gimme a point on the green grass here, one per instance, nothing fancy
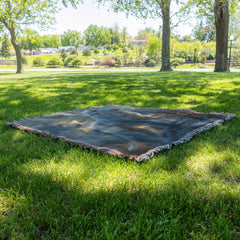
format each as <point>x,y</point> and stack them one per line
<point>52,190</point>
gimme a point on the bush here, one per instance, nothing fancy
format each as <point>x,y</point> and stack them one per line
<point>68,60</point>
<point>97,62</point>
<point>24,60</point>
<point>109,48</point>
<point>109,61</point>
<point>76,62</point>
<point>38,62</point>
<point>138,62</point>
<point>125,50</point>
<point>119,60</point>
<point>86,52</point>
<point>150,62</point>
<point>115,46</point>
<point>74,51</point>
<point>63,54</point>
<point>96,50</point>
<point>105,52</point>
<point>54,62</point>
<point>73,61</point>
<point>175,64</point>
<point>178,60</point>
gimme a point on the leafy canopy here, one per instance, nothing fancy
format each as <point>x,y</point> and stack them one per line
<point>21,13</point>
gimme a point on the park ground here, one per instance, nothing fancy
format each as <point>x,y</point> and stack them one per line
<point>52,190</point>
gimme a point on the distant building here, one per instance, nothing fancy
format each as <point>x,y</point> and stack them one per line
<point>48,50</point>
<point>67,48</point>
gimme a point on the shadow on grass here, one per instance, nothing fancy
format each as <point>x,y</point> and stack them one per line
<point>110,198</point>
<point>43,206</point>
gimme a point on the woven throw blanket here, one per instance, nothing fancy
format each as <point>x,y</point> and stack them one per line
<point>123,130</point>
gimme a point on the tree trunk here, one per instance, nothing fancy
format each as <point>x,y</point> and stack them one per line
<point>221,12</point>
<point>165,8</point>
<point>17,48</point>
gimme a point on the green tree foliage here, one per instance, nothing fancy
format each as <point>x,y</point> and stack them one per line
<point>5,49</point>
<point>144,9</point>
<point>154,48</point>
<point>205,33</point>
<point>124,36</point>
<point>72,38</point>
<point>97,36</point>
<point>74,51</point>
<point>17,15</point>
<point>31,40</point>
<point>63,54</point>
<point>145,34</point>
<point>51,41</point>
<point>96,50</point>
<point>115,35</point>
<point>193,50</point>
<point>86,52</point>
<point>234,25</point>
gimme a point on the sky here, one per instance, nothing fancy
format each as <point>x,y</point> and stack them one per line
<point>88,13</point>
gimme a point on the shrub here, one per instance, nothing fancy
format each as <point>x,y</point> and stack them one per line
<point>74,51</point>
<point>76,62</point>
<point>118,52</point>
<point>178,60</point>
<point>109,48</point>
<point>86,52</point>
<point>119,60</point>
<point>54,62</point>
<point>138,62</point>
<point>24,60</point>
<point>38,62</point>
<point>125,50</point>
<point>97,62</point>
<point>68,60</point>
<point>105,52</point>
<point>109,61</point>
<point>96,50</point>
<point>126,59</point>
<point>63,54</point>
<point>150,62</point>
<point>115,46</point>
<point>175,64</point>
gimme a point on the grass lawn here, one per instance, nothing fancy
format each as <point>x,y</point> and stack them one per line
<point>52,190</point>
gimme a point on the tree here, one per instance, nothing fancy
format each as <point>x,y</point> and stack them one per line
<point>144,35</point>
<point>31,41</point>
<point>124,35</point>
<point>144,9</point>
<point>15,15</point>
<point>72,38</point>
<point>221,10</point>
<point>5,49</point>
<point>205,32</point>
<point>51,41</point>
<point>97,36</point>
<point>234,25</point>
<point>154,48</point>
<point>115,35</point>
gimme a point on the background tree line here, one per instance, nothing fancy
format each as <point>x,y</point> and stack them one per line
<point>17,15</point>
